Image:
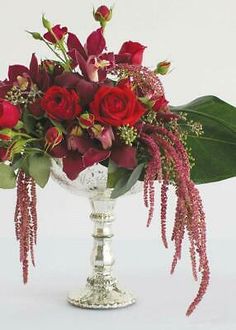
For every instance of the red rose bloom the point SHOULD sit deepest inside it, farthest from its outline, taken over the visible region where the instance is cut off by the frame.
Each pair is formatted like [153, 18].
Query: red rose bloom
[131, 53]
[116, 106]
[61, 104]
[9, 114]
[58, 32]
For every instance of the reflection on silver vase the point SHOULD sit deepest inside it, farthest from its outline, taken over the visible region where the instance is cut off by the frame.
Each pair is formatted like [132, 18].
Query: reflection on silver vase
[102, 290]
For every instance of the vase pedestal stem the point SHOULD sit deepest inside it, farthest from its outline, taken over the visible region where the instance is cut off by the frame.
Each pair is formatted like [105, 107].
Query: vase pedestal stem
[102, 290]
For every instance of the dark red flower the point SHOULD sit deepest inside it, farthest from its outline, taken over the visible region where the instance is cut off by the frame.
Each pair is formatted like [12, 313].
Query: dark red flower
[124, 156]
[9, 114]
[4, 154]
[103, 12]
[116, 106]
[57, 33]
[36, 108]
[61, 104]
[131, 53]
[53, 136]
[160, 104]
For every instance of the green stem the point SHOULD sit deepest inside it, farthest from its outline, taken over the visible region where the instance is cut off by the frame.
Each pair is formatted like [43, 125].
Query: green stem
[51, 48]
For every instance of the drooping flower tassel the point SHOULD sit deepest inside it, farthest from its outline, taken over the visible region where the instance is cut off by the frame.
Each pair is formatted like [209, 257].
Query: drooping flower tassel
[26, 220]
[189, 216]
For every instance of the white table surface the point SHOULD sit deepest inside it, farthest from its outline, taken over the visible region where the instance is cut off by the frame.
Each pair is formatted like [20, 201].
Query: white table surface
[62, 264]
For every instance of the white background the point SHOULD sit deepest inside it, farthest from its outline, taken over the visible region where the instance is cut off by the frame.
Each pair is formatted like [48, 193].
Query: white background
[199, 38]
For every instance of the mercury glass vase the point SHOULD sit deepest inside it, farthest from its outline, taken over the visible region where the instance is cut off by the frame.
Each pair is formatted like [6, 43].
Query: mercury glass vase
[102, 290]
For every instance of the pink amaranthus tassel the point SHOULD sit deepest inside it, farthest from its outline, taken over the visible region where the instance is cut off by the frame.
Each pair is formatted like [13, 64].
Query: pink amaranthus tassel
[26, 220]
[189, 215]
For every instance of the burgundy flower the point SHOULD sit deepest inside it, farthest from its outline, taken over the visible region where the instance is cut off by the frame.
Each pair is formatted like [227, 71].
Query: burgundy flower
[103, 13]
[131, 53]
[116, 106]
[53, 137]
[9, 114]
[57, 33]
[36, 108]
[4, 154]
[105, 136]
[61, 104]
[161, 104]
[124, 156]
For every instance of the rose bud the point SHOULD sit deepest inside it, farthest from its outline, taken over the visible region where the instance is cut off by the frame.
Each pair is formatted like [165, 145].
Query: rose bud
[55, 34]
[53, 137]
[76, 131]
[9, 114]
[6, 134]
[103, 15]
[161, 104]
[162, 68]
[105, 135]
[86, 120]
[4, 154]
[36, 109]
[131, 53]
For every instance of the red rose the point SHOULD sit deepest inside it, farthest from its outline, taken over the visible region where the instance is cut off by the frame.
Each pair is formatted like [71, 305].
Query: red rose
[61, 104]
[161, 104]
[58, 32]
[53, 136]
[103, 15]
[131, 53]
[116, 106]
[9, 114]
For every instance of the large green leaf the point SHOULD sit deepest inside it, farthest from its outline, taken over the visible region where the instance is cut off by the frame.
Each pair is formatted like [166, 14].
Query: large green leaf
[7, 177]
[39, 168]
[215, 150]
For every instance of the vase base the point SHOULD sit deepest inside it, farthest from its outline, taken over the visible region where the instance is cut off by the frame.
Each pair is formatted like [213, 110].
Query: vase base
[103, 295]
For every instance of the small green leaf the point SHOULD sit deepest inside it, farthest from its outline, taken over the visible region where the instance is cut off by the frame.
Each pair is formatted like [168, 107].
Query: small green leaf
[115, 173]
[7, 177]
[39, 168]
[126, 182]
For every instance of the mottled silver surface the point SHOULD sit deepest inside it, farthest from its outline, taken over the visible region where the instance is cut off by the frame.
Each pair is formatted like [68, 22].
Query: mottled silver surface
[102, 290]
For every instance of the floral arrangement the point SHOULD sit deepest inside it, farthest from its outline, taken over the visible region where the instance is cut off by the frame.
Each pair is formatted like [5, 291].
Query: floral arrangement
[88, 106]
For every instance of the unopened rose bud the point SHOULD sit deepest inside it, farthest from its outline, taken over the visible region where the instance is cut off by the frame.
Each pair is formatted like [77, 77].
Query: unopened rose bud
[6, 134]
[4, 154]
[162, 68]
[103, 15]
[86, 120]
[46, 23]
[76, 131]
[53, 137]
[36, 35]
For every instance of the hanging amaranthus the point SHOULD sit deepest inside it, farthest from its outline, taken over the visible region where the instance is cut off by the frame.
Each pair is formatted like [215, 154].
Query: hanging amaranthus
[189, 215]
[26, 220]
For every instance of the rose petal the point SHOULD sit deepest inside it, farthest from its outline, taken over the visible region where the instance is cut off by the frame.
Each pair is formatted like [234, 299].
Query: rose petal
[67, 80]
[95, 43]
[93, 156]
[17, 70]
[74, 43]
[73, 165]
[124, 156]
[34, 68]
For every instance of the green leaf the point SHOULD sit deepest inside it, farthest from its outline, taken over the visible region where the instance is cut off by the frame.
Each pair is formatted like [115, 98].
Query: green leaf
[126, 182]
[39, 168]
[215, 150]
[7, 177]
[115, 173]
[58, 125]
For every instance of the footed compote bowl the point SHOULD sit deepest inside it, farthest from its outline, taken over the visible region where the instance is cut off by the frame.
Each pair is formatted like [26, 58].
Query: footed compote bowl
[102, 290]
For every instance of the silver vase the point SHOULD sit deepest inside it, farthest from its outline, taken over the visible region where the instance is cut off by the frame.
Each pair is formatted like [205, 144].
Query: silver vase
[102, 290]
